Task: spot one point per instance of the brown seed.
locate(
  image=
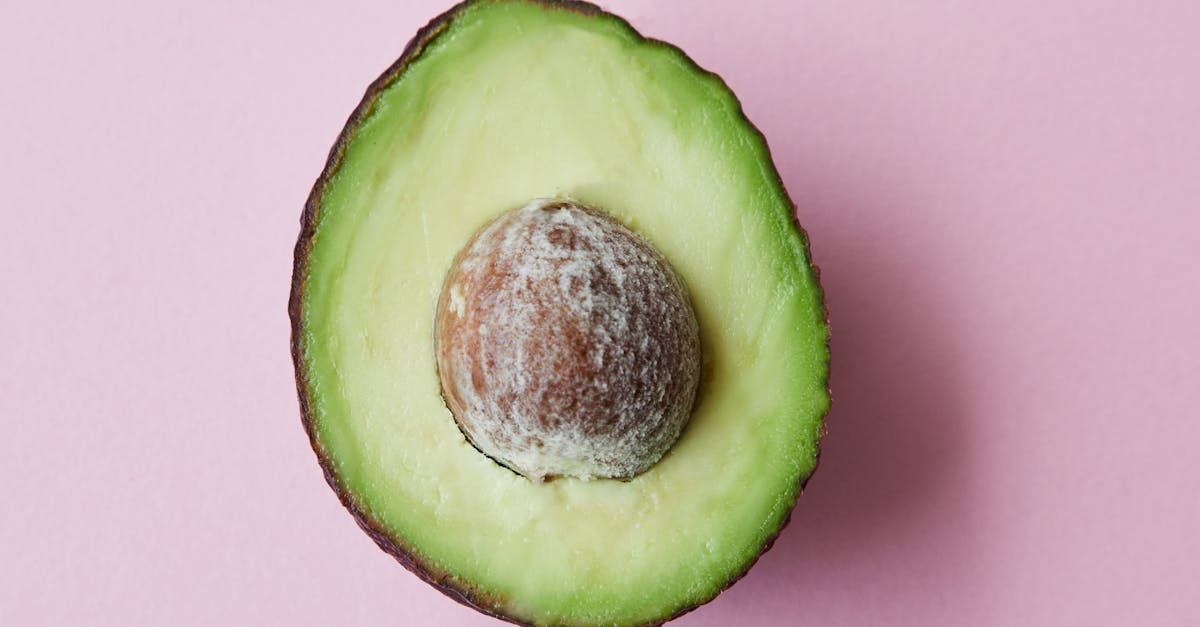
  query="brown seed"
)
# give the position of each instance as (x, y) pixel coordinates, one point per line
(566, 345)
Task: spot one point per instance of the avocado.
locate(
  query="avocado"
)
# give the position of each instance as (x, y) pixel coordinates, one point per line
(632, 447)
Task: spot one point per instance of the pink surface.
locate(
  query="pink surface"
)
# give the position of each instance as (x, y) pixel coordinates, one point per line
(1003, 201)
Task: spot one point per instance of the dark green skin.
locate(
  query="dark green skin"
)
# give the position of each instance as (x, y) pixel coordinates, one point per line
(447, 583)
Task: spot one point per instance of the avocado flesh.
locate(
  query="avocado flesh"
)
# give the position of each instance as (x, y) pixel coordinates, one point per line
(505, 102)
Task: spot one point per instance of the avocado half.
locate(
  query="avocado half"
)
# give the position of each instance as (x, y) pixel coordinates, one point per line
(494, 103)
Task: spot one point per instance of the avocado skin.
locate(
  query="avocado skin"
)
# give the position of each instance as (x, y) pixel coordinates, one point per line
(447, 583)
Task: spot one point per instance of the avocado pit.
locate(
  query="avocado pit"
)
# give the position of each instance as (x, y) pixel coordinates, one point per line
(566, 345)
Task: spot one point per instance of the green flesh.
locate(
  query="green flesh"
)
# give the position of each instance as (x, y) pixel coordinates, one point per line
(509, 102)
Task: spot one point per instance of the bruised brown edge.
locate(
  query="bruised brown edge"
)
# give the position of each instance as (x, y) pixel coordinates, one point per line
(447, 583)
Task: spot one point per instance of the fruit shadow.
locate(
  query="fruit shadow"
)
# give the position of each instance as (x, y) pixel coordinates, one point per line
(893, 465)
(895, 443)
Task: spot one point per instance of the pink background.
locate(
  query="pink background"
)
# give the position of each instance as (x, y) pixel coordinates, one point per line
(1003, 200)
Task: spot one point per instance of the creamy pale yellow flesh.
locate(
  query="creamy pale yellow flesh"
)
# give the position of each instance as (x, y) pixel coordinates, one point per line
(512, 102)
